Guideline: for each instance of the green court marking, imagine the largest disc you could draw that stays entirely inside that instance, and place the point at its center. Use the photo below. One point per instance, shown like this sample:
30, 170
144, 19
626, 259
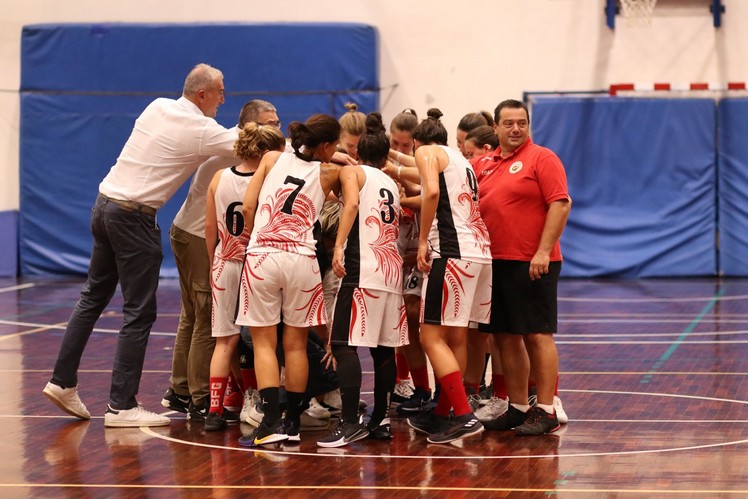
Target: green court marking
682, 337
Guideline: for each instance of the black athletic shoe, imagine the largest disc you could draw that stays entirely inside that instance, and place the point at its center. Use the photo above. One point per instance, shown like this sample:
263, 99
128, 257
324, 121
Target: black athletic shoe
270, 434
460, 427
513, 417
214, 422
248, 440
428, 422
291, 428
382, 431
197, 412
179, 403
344, 434
230, 416
415, 404
538, 422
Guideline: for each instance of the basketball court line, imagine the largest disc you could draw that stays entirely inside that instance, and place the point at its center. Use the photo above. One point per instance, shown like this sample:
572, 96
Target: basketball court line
322, 488
152, 433
649, 335
680, 340
16, 288
39, 327
346, 454
652, 299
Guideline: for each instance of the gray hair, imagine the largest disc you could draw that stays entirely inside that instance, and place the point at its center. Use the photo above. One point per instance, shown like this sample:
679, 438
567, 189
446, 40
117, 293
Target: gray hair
201, 77
253, 109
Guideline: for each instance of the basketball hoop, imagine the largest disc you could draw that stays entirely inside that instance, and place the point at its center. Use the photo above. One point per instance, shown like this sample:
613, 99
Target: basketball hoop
638, 12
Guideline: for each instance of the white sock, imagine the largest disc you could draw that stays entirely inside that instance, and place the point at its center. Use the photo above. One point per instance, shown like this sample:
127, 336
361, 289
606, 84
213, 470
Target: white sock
547, 408
523, 408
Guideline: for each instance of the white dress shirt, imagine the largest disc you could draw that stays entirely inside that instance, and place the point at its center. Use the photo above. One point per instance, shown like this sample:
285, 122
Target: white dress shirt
191, 216
171, 138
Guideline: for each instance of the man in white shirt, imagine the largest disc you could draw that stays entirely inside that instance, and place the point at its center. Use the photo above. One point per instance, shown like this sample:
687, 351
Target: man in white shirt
194, 344
170, 139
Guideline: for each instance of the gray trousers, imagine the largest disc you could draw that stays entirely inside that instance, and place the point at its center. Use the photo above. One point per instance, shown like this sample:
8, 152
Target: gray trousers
126, 249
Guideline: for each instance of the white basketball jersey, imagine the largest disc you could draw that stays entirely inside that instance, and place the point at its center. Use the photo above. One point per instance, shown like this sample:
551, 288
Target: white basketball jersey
372, 259
458, 230
289, 205
232, 233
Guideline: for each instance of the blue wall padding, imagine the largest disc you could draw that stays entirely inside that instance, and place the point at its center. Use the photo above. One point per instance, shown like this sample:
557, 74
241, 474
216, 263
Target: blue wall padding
9, 243
83, 86
642, 177
733, 187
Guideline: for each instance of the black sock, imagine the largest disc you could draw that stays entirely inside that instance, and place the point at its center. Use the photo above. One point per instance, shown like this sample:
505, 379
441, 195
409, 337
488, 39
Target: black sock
270, 405
349, 375
385, 375
294, 406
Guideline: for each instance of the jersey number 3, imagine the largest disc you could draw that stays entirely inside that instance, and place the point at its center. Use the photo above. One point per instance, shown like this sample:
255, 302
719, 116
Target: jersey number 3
388, 212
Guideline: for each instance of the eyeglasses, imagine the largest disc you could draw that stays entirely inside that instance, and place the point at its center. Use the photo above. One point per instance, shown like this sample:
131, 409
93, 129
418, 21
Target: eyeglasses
276, 124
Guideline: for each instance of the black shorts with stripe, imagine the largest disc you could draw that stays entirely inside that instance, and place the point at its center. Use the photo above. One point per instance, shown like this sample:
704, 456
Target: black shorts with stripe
520, 305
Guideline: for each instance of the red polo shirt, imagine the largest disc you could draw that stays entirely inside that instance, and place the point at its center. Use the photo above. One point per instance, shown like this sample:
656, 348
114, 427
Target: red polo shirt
514, 196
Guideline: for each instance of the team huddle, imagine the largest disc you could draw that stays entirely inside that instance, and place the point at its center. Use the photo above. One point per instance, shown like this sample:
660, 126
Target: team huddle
293, 252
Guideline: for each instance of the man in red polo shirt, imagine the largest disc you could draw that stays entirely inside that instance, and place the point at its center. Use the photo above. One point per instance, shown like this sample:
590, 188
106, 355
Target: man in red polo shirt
525, 203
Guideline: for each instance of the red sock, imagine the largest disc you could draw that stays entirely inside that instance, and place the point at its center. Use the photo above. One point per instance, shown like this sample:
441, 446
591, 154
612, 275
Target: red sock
443, 406
421, 378
249, 379
217, 391
453, 390
402, 367
555, 390
233, 385
499, 386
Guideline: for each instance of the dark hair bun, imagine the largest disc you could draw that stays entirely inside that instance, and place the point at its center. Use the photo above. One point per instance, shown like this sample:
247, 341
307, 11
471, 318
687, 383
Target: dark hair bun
374, 123
434, 113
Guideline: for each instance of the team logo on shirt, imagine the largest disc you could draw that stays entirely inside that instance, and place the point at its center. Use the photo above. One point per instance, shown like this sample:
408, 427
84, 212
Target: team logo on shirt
516, 167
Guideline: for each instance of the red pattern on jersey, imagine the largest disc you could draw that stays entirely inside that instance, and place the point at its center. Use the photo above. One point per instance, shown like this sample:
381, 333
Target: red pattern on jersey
475, 223
388, 258
248, 272
402, 326
315, 306
283, 231
218, 266
453, 283
359, 307
231, 247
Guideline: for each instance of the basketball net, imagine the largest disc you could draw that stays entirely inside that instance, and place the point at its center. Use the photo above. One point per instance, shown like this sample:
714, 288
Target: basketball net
638, 12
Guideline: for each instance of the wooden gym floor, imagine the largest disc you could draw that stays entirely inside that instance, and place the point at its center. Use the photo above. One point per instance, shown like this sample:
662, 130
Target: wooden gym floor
652, 377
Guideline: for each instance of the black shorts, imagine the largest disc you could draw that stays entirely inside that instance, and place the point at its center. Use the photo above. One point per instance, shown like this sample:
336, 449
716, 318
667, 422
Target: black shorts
520, 305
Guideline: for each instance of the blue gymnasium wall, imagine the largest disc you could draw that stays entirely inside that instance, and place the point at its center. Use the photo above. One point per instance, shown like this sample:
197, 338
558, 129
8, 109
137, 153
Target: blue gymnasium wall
83, 86
733, 187
8, 243
642, 176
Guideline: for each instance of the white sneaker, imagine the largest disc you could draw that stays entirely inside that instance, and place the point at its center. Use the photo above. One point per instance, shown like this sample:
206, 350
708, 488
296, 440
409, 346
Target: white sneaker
133, 418
317, 411
255, 413
402, 392
67, 399
563, 418
493, 409
252, 408
333, 399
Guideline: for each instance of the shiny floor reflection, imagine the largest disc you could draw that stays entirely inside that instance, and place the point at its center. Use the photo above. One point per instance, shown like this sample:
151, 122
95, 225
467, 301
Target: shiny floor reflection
652, 377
